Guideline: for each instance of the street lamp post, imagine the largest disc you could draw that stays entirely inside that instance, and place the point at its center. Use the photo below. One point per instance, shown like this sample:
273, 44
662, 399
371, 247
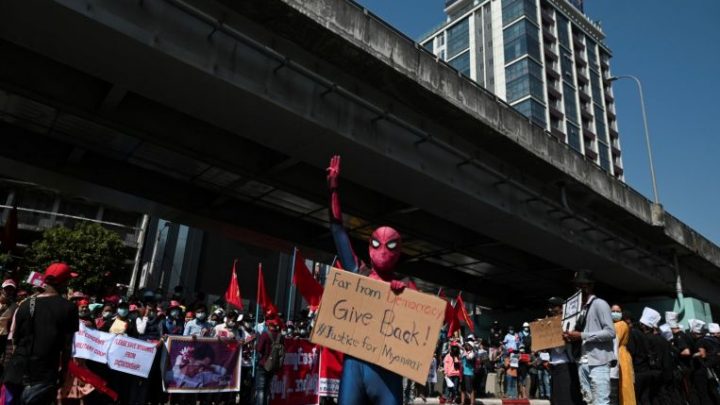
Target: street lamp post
647, 132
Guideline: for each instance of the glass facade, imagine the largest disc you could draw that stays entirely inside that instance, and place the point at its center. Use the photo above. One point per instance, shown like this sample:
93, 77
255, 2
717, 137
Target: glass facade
520, 39
524, 78
592, 56
566, 65
596, 88
462, 63
429, 46
562, 27
533, 110
458, 38
604, 153
514, 9
600, 122
573, 134
571, 110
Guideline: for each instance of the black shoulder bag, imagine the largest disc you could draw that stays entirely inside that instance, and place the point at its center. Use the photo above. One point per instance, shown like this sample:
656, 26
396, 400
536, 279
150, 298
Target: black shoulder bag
18, 366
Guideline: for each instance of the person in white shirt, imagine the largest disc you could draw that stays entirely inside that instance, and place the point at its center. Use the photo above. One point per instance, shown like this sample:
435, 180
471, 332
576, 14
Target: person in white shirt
230, 328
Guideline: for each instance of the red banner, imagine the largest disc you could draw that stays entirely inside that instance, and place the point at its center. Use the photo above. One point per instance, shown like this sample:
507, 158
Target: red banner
330, 372
309, 372
297, 382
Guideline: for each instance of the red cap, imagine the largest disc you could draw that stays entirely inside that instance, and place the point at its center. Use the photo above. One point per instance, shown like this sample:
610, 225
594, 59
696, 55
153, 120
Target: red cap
174, 304
133, 307
83, 302
60, 272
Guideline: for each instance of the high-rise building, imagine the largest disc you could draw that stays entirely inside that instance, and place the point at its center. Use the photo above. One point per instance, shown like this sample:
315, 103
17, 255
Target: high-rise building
545, 58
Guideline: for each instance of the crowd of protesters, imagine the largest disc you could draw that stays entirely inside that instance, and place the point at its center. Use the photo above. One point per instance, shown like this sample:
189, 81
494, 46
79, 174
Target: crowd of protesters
610, 357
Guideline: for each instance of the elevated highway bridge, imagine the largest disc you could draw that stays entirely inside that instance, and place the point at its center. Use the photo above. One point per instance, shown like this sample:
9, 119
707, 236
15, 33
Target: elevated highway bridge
223, 114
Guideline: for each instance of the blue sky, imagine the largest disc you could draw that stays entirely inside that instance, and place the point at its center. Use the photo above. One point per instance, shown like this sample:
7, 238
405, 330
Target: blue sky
674, 48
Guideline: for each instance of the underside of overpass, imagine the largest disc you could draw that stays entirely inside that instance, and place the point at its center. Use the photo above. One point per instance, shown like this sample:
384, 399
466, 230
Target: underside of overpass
223, 114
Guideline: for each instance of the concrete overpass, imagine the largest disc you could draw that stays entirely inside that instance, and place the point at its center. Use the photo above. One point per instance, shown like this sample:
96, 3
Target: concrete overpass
222, 114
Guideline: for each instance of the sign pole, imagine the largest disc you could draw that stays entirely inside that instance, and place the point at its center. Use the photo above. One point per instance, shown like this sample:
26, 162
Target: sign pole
291, 294
257, 318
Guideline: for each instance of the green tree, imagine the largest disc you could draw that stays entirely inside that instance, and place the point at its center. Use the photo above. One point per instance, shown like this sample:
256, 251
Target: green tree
92, 251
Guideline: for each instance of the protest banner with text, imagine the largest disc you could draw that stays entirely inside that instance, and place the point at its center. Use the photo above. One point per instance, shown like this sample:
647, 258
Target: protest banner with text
131, 356
91, 344
297, 382
363, 318
547, 333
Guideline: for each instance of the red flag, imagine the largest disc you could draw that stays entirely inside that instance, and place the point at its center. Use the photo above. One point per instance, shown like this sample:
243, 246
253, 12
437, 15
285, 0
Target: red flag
232, 295
262, 296
451, 317
308, 287
9, 239
462, 313
85, 375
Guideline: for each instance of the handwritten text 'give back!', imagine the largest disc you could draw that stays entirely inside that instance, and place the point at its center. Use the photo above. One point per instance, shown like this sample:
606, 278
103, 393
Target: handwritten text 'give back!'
362, 317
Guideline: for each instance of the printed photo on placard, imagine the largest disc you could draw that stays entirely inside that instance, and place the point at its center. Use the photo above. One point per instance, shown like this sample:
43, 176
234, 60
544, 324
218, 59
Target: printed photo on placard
201, 365
571, 311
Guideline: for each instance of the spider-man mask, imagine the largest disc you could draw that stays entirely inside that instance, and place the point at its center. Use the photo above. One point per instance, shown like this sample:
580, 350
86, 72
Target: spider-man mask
385, 249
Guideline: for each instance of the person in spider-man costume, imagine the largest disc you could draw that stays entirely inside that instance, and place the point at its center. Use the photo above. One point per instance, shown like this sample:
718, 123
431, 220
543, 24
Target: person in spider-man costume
362, 382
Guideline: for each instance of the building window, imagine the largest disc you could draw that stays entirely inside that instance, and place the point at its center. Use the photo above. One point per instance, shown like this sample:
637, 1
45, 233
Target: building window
458, 38
563, 35
600, 122
429, 46
604, 152
571, 110
566, 64
596, 89
514, 9
524, 78
462, 63
573, 134
533, 110
592, 56
520, 39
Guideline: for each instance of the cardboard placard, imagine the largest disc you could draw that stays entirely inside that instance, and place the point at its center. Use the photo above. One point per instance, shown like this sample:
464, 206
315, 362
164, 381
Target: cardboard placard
547, 333
362, 317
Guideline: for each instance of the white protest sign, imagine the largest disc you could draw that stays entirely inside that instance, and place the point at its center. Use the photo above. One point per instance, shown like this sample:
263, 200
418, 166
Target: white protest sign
131, 356
91, 344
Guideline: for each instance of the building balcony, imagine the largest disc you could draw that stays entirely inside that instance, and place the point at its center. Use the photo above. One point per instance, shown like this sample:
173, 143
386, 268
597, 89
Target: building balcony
586, 113
584, 96
579, 45
547, 16
551, 71
550, 53
553, 91
613, 133
618, 170
579, 60
555, 112
591, 154
588, 134
582, 76
611, 115
615, 151
608, 97
549, 36
604, 63
557, 134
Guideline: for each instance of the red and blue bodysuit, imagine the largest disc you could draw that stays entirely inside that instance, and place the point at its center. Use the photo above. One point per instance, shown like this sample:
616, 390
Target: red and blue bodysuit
364, 383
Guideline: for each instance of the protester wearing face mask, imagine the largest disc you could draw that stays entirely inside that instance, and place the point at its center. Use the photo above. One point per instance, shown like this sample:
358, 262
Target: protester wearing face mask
199, 326
122, 325
622, 389
174, 322
149, 325
105, 321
